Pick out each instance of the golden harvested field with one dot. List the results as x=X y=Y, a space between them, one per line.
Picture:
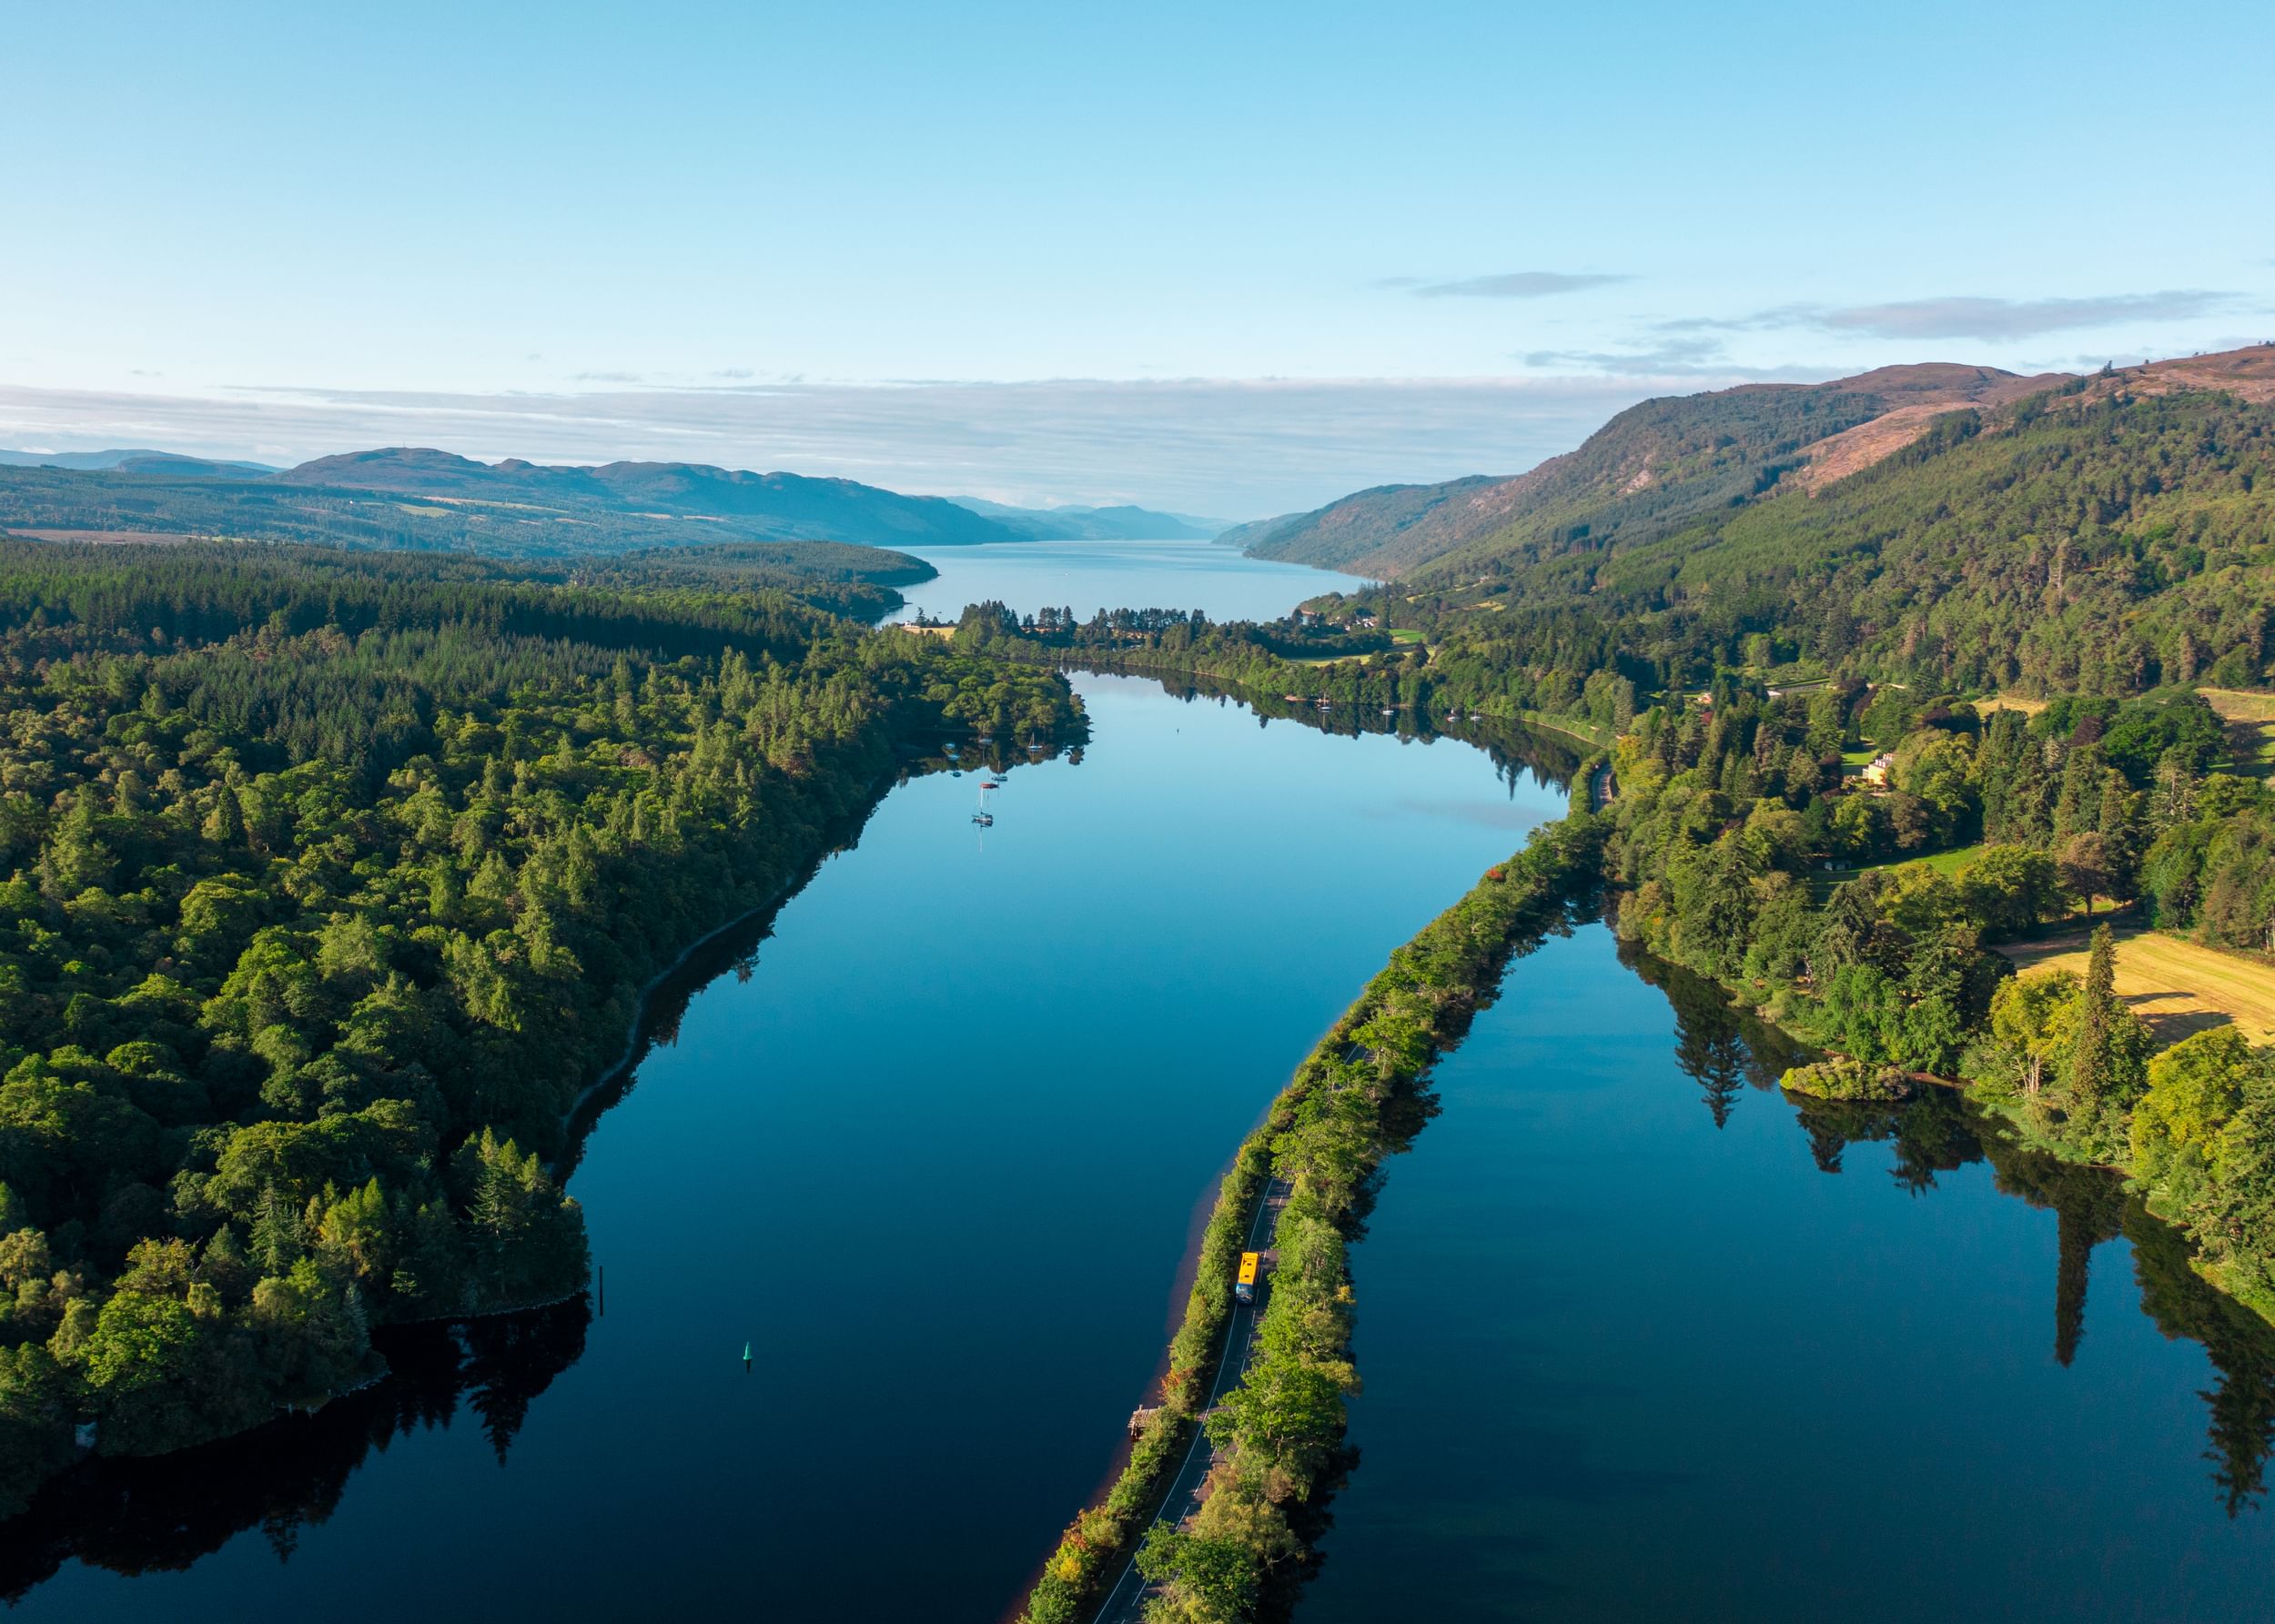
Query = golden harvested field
x=2237 y=704
x=2250 y=719
x=2011 y=702
x=2176 y=987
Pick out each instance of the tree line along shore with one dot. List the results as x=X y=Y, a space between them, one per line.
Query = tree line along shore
x=333 y=881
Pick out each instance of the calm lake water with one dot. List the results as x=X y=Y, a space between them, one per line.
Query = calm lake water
x=1643 y=1341
x=1088 y=576
x=933 y=1149
x=1640 y=1338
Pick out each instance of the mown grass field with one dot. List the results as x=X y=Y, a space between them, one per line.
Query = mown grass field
x=2176 y=986
x=1948 y=863
x=2250 y=719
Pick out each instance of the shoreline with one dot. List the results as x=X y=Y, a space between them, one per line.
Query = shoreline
x=2008 y=1123
x=1092 y=1560
x=637 y=1033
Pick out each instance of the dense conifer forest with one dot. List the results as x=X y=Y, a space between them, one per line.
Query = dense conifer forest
x=332 y=880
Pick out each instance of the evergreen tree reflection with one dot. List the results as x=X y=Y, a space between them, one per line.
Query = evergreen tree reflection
x=1941 y=1131
x=167 y=1513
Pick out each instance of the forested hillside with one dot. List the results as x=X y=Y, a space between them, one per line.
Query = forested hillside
x=163 y=505
x=332 y=879
x=409 y=497
x=734 y=502
x=1652 y=467
x=2099 y=537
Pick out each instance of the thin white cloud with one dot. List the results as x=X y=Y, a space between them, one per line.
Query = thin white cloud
x=1531 y=283
x=1668 y=357
x=1973 y=316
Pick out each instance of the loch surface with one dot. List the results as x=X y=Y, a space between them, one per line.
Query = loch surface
x=1643 y=1339
x=931 y=1149
x=1088 y=576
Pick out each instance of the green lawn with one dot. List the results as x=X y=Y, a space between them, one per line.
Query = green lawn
x=1401 y=634
x=1948 y=863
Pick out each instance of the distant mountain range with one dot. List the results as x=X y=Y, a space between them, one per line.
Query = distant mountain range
x=416 y=497
x=1121 y=523
x=1653 y=467
x=137 y=462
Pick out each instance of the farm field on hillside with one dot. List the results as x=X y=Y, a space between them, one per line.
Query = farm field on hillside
x=2178 y=987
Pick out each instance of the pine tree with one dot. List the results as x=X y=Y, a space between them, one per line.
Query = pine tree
x=276 y=1237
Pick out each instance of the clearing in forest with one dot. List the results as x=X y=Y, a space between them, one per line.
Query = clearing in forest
x=2250 y=719
x=2178 y=987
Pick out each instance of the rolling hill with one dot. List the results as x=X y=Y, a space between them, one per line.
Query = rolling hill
x=1656 y=465
x=1122 y=522
x=2105 y=534
x=770 y=507
x=137 y=462
x=407 y=496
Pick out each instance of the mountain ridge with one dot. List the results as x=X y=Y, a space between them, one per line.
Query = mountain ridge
x=1659 y=461
x=1074 y=521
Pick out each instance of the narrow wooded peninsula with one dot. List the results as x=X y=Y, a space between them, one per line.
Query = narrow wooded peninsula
x=336 y=879
x=1355 y=1099
x=1947 y=800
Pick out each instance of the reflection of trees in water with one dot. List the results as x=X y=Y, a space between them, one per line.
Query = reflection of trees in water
x=1941 y=1131
x=1514 y=749
x=2088 y=1206
x=2243 y=1349
x=1719 y=1045
x=167 y=1513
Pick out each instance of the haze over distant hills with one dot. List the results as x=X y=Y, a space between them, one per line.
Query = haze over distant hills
x=1073 y=522
x=137 y=462
x=418 y=497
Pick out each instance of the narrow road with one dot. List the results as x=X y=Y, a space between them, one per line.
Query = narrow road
x=1126 y=1602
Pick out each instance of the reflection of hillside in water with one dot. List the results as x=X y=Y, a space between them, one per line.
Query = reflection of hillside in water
x=1513 y=748
x=142 y=1516
x=1727 y=1050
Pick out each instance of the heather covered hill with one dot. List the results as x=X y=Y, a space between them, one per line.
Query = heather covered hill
x=2108 y=535
x=1656 y=464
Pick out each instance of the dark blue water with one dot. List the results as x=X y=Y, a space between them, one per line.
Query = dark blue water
x=933 y=1150
x=1643 y=1341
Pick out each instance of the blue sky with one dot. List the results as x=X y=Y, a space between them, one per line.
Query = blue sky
x=828 y=238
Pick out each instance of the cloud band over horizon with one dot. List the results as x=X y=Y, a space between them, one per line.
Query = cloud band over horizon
x=1235 y=449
